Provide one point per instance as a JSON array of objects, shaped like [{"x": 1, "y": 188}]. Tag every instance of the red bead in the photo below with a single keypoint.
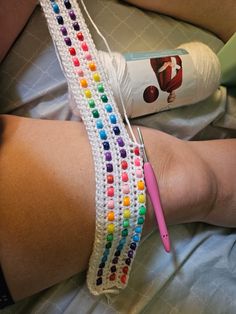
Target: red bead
[
  {"x": 84, "y": 46},
  {"x": 125, "y": 269},
  {"x": 136, "y": 151},
  {"x": 125, "y": 177},
  {"x": 80, "y": 36},
  {"x": 110, "y": 192},
  {"x": 124, "y": 165},
  {"x": 112, "y": 277},
  {"x": 123, "y": 279},
  {"x": 72, "y": 51},
  {"x": 76, "y": 61},
  {"x": 110, "y": 179}
]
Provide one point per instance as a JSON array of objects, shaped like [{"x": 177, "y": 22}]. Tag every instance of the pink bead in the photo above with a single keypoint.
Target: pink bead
[
  {"x": 137, "y": 162},
  {"x": 111, "y": 204},
  {"x": 125, "y": 189},
  {"x": 125, "y": 177},
  {"x": 80, "y": 73},
  {"x": 84, "y": 46},
  {"x": 76, "y": 61},
  {"x": 110, "y": 191},
  {"x": 88, "y": 57},
  {"x": 139, "y": 173}
]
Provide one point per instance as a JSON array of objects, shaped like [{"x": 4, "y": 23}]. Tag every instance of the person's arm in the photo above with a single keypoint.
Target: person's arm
[
  {"x": 214, "y": 15},
  {"x": 13, "y": 16},
  {"x": 47, "y": 186}
]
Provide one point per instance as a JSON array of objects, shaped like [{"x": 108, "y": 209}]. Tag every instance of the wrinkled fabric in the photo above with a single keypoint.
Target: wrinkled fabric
[{"x": 199, "y": 276}]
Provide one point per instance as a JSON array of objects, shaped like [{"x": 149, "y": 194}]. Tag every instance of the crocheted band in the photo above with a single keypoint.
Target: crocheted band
[{"x": 120, "y": 187}]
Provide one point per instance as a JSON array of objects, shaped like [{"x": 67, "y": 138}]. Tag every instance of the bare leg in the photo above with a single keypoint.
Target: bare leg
[{"x": 214, "y": 15}]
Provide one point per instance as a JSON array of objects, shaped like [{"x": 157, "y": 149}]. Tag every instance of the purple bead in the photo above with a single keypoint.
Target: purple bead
[
  {"x": 68, "y": 41},
  {"x": 72, "y": 15},
  {"x": 100, "y": 272},
  {"x": 120, "y": 142},
  {"x": 64, "y": 31},
  {"x": 108, "y": 156},
  {"x": 123, "y": 153},
  {"x": 115, "y": 260},
  {"x": 133, "y": 246},
  {"x": 128, "y": 261},
  {"x": 76, "y": 26},
  {"x": 109, "y": 167},
  {"x": 113, "y": 269},
  {"x": 99, "y": 281},
  {"x": 130, "y": 253}
]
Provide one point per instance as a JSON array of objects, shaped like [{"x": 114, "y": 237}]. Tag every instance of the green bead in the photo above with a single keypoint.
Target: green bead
[
  {"x": 100, "y": 88},
  {"x": 142, "y": 210},
  {"x": 104, "y": 98},
  {"x": 126, "y": 223},
  {"x": 95, "y": 113},
  {"x": 110, "y": 237},
  {"x": 124, "y": 233},
  {"x": 91, "y": 103},
  {"x": 140, "y": 220}
]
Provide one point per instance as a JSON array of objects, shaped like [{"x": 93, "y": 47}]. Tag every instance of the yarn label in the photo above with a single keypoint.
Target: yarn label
[{"x": 160, "y": 81}]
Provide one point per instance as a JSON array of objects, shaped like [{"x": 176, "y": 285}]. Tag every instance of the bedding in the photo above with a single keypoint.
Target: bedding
[{"x": 199, "y": 276}]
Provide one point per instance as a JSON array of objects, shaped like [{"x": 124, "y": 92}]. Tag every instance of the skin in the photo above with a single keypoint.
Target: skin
[
  {"x": 213, "y": 15},
  {"x": 47, "y": 170}
]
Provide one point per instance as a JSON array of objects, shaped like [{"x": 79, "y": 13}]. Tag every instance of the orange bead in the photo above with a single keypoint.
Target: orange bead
[
  {"x": 84, "y": 83},
  {"x": 111, "y": 216},
  {"x": 92, "y": 66},
  {"x": 126, "y": 201},
  {"x": 140, "y": 185}
]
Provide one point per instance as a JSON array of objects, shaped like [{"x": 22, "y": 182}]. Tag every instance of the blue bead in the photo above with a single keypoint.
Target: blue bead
[
  {"x": 136, "y": 238},
  {"x": 104, "y": 259},
  {"x": 122, "y": 241},
  {"x": 60, "y": 20},
  {"x": 138, "y": 229},
  {"x": 116, "y": 130},
  {"x": 55, "y": 8},
  {"x": 106, "y": 145},
  {"x": 103, "y": 135},
  {"x": 120, "y": 247},
  {"x": 108, "y": 108},
  {"x": 106, "y": 252},
  {"x": 113, "y": 119},
  {"x": 99, "y": 124},
  {"x": 67, "y": 4}
]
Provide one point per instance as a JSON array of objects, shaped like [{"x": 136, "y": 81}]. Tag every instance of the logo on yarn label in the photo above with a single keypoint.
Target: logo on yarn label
[{"x": 160, "y": 81}]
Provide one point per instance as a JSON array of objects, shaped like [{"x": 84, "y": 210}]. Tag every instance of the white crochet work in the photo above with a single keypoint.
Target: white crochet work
[{"x": 120, "y": 188}]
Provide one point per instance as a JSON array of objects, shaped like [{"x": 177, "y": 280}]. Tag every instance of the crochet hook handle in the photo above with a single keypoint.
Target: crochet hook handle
[{"x": 154, "y": 194}]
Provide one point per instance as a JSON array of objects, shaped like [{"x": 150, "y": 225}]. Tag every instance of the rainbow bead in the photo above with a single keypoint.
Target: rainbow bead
[
  {"x": 111, "y": 228},
  {"x": 84, "y": 83},
  {"x": 96, "y": 77},
  {"x": 141, "y": 198},
  {"x": 111, "y": 216},
  {"x": 126, "y": 213},
  {"x": 88, "y": 93},
  {"x": 126, "y": 201}
]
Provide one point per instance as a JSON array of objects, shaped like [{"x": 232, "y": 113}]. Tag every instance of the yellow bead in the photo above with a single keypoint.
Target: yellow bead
[
  {"x": 126, "y": 213},
  {"x": 140, "y": 185},
  {"x": 88, "y": 93},
  {"x": 84, "y": 83},
  {"x": 141, "y": 198},
  {"x": 111, "y": 228},
  {"x": 92, "y": 66},
  {"x": 126, "y": 201},
  {"x": 111, "y": 216},
  {"x": 96, "y": 77}
]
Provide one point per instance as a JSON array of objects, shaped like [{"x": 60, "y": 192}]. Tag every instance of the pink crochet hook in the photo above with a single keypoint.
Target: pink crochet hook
[{"x": 154, "y": 194}]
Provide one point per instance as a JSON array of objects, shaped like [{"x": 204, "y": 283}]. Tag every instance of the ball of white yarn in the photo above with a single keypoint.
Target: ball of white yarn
[
  {"x": 207, "y": 68},
  {"x": 206, "y": 76}
]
